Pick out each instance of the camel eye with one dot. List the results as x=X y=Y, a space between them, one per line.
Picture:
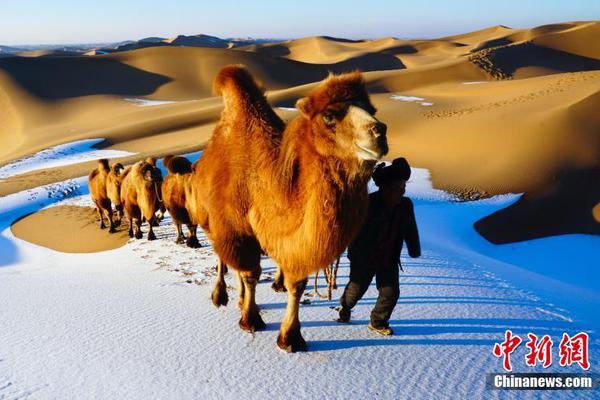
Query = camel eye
x=329 y=119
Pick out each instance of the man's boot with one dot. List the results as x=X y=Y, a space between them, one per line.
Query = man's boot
x=384 y=330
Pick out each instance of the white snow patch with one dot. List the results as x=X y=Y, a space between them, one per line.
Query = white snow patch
x=61 y=155
x=411 y=99
x=148 y=103
x=405 y=98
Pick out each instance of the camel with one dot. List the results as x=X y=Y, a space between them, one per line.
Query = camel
x=174 y=196
x=140 y=195
x=113 y=188
x=298 y=192
x=160 y=205
x=98 y=192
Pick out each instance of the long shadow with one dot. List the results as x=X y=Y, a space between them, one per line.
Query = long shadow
x=510 y=58
x=8 y=251
x=55 y=78
x=569 y=203
x=416 y=300
x=329 y=345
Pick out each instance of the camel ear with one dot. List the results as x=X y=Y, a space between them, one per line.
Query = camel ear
x=304 y=105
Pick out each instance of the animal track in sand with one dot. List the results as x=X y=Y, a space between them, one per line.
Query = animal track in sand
x=558 y=85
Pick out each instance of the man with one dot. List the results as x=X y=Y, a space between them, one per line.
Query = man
x=376 y=250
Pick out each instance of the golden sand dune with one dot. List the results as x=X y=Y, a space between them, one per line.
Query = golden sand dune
x=493 y=111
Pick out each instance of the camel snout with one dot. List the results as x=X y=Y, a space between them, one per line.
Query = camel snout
x=379 y=129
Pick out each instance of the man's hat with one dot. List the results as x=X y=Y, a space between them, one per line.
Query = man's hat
x=398 y=170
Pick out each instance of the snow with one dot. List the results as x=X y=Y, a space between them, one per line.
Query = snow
x=127 y=323
x=61 y=155
x=411 y=99
x=147 y=103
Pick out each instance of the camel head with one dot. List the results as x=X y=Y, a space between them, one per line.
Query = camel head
x=153 y=178
x=343 y=120
x=117 y=169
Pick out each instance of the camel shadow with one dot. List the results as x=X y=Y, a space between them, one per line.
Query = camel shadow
x=404 y=329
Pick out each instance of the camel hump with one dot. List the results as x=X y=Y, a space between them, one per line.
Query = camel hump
x=244 y=97
x=103 y=165
x=177 y=164
x=235 y=79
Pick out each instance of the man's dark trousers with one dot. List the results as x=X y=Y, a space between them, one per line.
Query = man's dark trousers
x=361 y=276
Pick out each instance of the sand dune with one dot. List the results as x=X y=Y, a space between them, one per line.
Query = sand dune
x=500 y=110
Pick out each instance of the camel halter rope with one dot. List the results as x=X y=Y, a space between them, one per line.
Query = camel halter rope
x=330 y=278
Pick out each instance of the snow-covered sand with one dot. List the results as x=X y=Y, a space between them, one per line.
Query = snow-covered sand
x=413 y=99
x=61 y=155
x=137 y=322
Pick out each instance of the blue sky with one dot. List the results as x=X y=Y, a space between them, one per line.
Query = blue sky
x=62 y=21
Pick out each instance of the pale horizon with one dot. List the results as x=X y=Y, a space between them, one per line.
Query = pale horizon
x=70 y=23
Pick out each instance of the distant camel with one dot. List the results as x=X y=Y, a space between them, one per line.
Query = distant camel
x=140 y=195
x=113 y=188
x=97 y=185
x=298 y=192
x=160 y=205
x=174 y=196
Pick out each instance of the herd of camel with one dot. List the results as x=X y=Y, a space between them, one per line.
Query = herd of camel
x=297 y=192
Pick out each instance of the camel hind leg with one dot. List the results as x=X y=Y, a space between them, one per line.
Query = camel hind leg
x=219 y=294
x=192 y=240
x=180 y=238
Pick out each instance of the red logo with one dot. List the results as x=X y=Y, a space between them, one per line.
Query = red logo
x=573 y=350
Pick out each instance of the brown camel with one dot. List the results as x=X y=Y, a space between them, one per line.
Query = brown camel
x=140 y=195
x=174 y=190
x=298 y=192
x=98 y=192
x=160 y=205
x=113 y=188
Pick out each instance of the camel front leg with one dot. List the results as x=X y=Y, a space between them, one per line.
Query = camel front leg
x=241 y=290
x=219 y=294
x=251 y=321
x=180 y=238
x=109 y=216
x=102 y=226
x=138 y=228
x=290 y=338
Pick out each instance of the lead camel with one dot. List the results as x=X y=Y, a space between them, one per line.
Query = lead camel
x=298 y=192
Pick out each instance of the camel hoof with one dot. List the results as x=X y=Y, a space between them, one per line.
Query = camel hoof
x=219 y=297
x=151 y=236
x=130 y=233
x=139 y=235
x=293 y=344
x=193 y=242
x=253 y=323
x=117 y=222
x=154 y=222
x=112 y=230
x=180 y=240
x=102 y=226
x=278 y=287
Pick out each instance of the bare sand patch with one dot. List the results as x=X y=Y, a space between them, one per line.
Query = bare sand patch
x=70 y=229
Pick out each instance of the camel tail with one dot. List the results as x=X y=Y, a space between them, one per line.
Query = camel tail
x=177 y=164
